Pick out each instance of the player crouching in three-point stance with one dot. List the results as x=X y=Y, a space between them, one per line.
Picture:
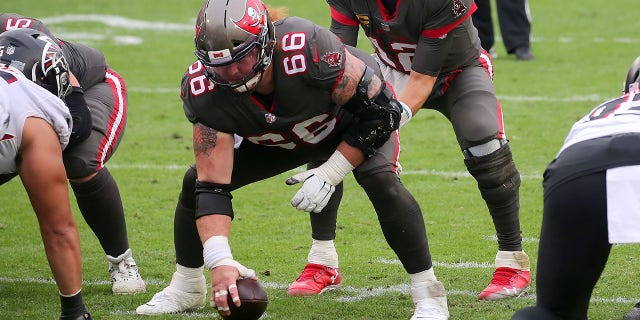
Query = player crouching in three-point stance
x=35 y=126
x=590 y=202
x=293 y=93
x=104 y=118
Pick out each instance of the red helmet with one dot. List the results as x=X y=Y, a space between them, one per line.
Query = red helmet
x=236 y=32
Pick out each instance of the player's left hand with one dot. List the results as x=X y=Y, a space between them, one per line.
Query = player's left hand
x=314 y=194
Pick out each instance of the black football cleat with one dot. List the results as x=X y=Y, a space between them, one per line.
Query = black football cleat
x=634 y=314
x=85 y=316
x=524 y=54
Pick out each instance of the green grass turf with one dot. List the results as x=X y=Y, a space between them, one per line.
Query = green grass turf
x=582 y=54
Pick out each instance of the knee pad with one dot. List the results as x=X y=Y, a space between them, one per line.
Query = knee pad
x=484 y=149
x=496 y=173
x=76 y=166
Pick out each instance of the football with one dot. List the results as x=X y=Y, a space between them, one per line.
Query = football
x=253 y=298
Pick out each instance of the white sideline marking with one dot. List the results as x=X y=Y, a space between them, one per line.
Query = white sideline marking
x=84 y=36
x=120 y=22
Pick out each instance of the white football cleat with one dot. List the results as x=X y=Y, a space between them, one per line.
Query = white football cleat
x=124 y=274
x=181 y=295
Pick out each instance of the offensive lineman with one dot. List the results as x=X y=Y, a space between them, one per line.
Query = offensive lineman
x=35 y=126
x=97 y=194
x=590 y=202
x=431 y=54
x=280 y=88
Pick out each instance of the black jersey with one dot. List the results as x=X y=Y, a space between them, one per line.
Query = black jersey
x=87 y=64
x=396 y=35
x=308 y=61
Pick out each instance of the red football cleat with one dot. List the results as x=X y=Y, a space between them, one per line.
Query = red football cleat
x=315 y=279
x=506 y=283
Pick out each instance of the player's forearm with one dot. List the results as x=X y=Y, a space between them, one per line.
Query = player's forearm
x=417 y=91
x=354 y=155
x=213 y=225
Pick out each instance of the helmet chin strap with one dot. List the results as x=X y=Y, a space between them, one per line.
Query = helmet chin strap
x=250 y=84
x=264 y=59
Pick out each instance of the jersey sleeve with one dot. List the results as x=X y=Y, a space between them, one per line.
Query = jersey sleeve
x=440 y=19
x=344 y=23
x=196 y=93
x=325 y=55
x=442 y=16
x=187 y=97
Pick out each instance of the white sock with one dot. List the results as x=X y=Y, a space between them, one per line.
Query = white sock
x=188 y=279
x=424 y=285
x=323 y=252
x=423 y=276
x=512 y=259
x=190 y=272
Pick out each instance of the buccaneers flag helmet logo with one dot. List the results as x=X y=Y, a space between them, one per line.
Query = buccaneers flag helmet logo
x=253 y=17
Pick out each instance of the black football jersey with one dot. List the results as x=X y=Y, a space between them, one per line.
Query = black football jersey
x=395 y=35
x=308 y=61
x=86 y=63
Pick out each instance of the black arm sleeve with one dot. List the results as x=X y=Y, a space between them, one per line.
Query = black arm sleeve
x=347 y=34
x=81 y=116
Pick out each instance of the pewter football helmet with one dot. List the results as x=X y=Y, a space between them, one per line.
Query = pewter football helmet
x=234 y=31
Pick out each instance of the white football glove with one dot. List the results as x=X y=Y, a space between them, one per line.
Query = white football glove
x=406 y=114
x=314 y=194
x=319 y=183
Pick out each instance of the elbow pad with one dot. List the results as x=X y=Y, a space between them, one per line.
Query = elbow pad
x=213 y=198
x=82 y=122
x=376 y=117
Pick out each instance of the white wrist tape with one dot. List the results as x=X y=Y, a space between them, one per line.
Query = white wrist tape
x=406 y=114
x=215 y=250
x=335 y=169
x=242 y=270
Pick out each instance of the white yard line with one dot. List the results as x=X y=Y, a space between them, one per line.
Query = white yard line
x=346 y=293
x=580 y=98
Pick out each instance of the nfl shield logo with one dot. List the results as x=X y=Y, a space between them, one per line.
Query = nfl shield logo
x=270 y=117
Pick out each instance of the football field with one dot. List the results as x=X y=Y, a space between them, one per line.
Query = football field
x=583 y=50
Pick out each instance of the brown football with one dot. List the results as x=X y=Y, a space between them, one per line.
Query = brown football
x=253 y=298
